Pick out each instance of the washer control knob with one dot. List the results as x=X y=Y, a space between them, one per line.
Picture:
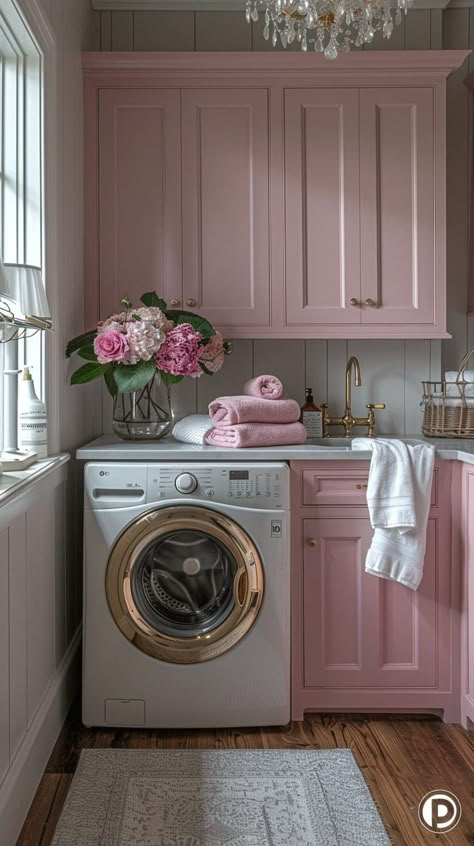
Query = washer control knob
x=185 y=483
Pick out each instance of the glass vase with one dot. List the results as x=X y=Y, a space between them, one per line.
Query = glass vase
x=144 y=415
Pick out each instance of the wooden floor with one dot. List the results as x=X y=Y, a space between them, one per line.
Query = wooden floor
x=401 y=758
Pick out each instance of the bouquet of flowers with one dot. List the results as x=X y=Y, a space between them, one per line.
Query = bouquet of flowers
x=130 y=348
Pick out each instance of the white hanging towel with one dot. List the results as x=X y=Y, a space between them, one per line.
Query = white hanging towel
x=398 y=497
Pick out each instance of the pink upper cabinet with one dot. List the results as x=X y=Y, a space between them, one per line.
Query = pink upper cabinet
x=322 y=206
x=139 y=196
x=275 y=192
x=397 y=190
x=226 y=222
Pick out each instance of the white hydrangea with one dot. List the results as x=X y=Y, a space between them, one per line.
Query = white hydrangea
x=144 y=341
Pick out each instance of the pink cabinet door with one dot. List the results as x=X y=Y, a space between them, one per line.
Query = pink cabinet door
x=139 y=195
x=226 y=240
x=322 y=206
x=397 y=219
x=360 y=630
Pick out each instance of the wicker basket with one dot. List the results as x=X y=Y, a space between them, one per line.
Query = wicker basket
x=449 y=406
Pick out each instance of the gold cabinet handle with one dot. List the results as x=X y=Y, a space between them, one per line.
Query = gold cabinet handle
x=370 y=302
x=192 y=303
x=174 y=302
x=354 y=301
x=312 y=542
x=361 y=487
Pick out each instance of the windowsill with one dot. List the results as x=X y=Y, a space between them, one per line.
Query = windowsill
x=13 y=482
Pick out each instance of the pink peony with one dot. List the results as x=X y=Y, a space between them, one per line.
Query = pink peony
x=213 y=353
x=110 y=346
x=180 y=352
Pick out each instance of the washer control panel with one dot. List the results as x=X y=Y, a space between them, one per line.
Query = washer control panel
x=257 y=485
x=123 y=484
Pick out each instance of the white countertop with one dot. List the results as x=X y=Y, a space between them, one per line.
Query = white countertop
x=111 y=448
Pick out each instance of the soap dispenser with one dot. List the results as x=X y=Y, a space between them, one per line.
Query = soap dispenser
x=33 y=421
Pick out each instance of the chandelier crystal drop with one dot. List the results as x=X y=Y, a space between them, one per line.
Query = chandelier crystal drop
x=327 y=26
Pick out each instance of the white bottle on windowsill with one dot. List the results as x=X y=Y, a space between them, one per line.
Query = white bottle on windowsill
x=33 y=420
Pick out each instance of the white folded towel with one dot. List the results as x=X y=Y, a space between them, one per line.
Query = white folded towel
x=452 y=390
x=192 y=429
x=398 y=496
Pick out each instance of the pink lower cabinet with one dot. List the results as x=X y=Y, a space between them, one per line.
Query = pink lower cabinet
x=360 y=642
x=467 y=651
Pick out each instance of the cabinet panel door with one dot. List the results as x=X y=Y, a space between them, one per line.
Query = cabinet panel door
x=139 y=195
x=360 y=630
x=397 y=180
x=322 y=206
x=226 y=241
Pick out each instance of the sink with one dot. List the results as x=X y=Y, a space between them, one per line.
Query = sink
x=330 y=443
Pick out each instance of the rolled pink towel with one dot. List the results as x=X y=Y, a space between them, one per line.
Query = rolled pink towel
x=257 y=435
x=266 y=387
x=228 y=411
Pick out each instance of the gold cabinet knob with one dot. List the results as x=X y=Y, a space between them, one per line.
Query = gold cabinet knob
x=312 y=542
x=174 y=302
x=361 y=487
x=370 y=302
x=354 y=301
x=192 y=303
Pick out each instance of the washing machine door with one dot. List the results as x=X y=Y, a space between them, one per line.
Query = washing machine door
x=184 y=584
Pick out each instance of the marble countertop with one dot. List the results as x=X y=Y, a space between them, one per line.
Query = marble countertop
x=111 y=448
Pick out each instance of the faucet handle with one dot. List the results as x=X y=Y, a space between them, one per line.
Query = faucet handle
x=376 y=405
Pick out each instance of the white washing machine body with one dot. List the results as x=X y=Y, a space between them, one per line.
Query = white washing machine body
x=186 y=594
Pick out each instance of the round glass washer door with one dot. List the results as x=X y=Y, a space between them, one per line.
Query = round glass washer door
x=184 y=584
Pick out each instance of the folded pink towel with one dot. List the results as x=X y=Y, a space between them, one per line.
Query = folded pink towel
x=266 y=387
x=257 y=435
x=227 y=411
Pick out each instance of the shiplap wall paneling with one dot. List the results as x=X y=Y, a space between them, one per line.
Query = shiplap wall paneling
x=40 y=599
x=18 y=628
x=4 y=658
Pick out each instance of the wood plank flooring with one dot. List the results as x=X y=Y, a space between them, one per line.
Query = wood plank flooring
x=402 y=758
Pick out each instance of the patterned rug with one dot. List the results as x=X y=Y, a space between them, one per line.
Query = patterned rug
x=219 y=798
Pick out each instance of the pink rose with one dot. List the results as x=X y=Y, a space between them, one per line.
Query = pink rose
x=110 y=346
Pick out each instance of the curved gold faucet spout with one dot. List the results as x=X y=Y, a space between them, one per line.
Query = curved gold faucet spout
x=352 y=363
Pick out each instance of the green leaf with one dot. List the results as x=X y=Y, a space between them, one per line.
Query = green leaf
x=152 y=300
x=80 y=341
x=200 y=324
x=170 y=379
x=88 y=353
x=132 y=377
x=88 y=372
x=110 y=380
x=206 y=369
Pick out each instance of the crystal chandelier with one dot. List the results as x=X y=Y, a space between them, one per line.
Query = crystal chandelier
x=329 y=26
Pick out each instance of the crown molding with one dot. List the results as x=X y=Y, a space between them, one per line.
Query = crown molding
x=406 y=63
x=229 y=5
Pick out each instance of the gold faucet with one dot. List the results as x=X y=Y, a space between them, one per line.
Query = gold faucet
x=348 y=421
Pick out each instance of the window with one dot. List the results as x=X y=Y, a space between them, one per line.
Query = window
x=21 y=165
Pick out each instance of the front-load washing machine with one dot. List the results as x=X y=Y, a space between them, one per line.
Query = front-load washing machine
x=186 y=594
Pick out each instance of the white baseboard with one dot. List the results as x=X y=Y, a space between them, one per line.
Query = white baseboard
x=23 y=777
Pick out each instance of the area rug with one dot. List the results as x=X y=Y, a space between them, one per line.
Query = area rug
x=219 y=798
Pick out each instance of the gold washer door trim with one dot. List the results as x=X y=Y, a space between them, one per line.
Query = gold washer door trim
x=248 y=584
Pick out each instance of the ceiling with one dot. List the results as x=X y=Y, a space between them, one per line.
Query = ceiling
x=229 y=5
